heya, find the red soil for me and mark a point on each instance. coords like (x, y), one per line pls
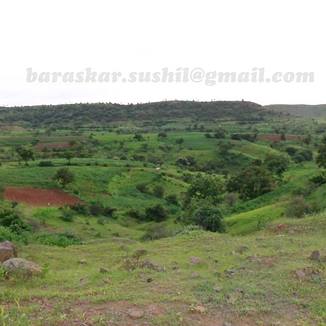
(40, 197)
(277, 137)
(41, 146)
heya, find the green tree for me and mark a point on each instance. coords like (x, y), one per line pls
(277, 164)
(209, 187)
(64, 176)
(251, 182)
(25, 154)
(68, 155)
(321, 157)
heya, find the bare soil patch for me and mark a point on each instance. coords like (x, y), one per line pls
(40, 197)
(62, 145)
(277, 137)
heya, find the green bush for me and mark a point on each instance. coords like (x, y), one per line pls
(156, 213)
(210, 218)
(58, 239)
(297, 207)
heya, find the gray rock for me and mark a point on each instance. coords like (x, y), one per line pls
(135, 313)
(20, 266)
(315, 255)
(195, 260)
(7, 251)
(104, 270)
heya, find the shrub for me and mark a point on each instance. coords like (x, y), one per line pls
(172, 199)
(158, 191)
(80, 209)
(155, 232)
(67, 215)
(142, 187)
(58, 239)
(210, 218)
(11, 219)
(156, 213)
(45, 163)
(297, 207)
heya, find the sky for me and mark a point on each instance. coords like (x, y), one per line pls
(128, 36)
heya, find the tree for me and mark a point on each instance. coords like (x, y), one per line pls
(210, 187)
(64, 176)
(156, 213)
(25, 154)
(277, 164)
(68, 155)
(321, 157)
(251, 182)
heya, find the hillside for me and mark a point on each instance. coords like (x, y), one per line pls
(172, 213)
(194, 278)
(105, 113)
(299, 110)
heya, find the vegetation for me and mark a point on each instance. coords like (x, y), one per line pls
(199, 211)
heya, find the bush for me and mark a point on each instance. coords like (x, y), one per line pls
(67, 215)
(155, 232)
(10, 219)
(45, 164)
(210, 218)
(80, 209)
(142, 187)
(58, 239)
(156, 213)
(172, 199)
(158, 191)
(297, 207)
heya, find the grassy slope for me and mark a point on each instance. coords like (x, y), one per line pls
(257, 287)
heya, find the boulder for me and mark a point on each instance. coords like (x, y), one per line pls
(315, 255)
(7, 251)
(22, 267)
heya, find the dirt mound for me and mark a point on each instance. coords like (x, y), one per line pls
(40, 197)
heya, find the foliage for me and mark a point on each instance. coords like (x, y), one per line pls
(208, 217)
(251, 182)
(64, 176)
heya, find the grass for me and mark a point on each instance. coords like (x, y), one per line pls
(260, 288)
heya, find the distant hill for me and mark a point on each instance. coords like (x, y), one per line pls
(104, 113)
(300, 110)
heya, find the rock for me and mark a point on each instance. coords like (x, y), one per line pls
(195, 260)
(20, 266)
(103, 270)
(217, 289)
(135, 313)
(82, 262)
(227, 324)
(300, 274)
(315, 255)
(195, 275)
(7, 251)
(241, 249)
(149, 280)
(198, 309)
(150, 265)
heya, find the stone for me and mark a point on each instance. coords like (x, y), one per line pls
(103, 270)
(315, 255)
(195, 260)
(195, 275)
(300, 274)
(82, 262)
(20, 266)
(198, 309)
(242, 249)
(135, 313)
(7, 251)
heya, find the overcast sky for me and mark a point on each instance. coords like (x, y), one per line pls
(149, 35)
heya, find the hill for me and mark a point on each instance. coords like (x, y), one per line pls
(299, 110)
(105, 113)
